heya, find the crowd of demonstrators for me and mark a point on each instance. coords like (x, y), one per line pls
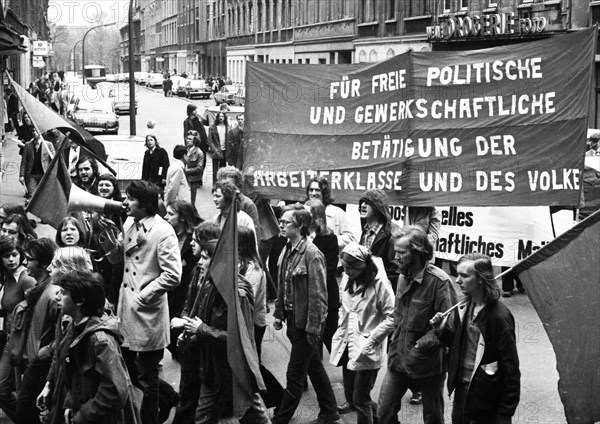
(353, 295)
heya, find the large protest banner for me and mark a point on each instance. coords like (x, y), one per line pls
(507, 235)
(504, 126)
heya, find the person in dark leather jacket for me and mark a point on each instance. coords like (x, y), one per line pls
(483, 363)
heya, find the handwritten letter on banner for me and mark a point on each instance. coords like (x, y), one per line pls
(504, 126)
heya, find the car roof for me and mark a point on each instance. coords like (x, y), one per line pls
(120, 137)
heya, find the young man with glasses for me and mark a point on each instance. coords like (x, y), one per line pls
(302, 303)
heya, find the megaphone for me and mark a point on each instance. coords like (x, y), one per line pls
(80, 200)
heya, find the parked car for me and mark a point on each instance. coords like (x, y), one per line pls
(197, 88)
(97, 116)
(125, 156)
(141, 77)
(179, 87)
(239, 98)
(111, 77)
(120, 97)
(155, 80)
(225, 95)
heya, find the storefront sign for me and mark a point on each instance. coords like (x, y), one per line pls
(40, 48)
(505, 126)
(485, 26)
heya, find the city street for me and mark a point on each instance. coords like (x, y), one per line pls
(539, 403)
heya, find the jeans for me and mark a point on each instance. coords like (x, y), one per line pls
(357, 389)
(213, 401)
(394, 386)
(304, 359)
(218, 164)
(143, 371)
(8, 400)
(32, 383)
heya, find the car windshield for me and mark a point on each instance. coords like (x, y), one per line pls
(93, 107)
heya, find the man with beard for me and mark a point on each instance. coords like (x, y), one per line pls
(415, 353)
(87, 174)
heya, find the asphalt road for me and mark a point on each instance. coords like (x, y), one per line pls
(540, 402)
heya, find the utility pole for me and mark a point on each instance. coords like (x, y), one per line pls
(132, 110)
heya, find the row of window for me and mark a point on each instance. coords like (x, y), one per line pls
(228, 18)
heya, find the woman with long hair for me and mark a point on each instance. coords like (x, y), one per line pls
(194, 168)
(318, 188)
(217, 142)
(18, 227)
(108, 259)
(323, 237)
(70, 232)
(483, 364)
(183, 218)
(204, 242)
(155, 163)
(15, 282)
(366, 318)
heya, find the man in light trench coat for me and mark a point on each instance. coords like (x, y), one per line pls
(152, 268)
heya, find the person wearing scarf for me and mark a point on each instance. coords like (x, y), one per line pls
(365, 320)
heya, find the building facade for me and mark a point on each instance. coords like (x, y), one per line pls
(219, 37)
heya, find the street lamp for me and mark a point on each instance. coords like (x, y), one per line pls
(83, 47)
(74, 53)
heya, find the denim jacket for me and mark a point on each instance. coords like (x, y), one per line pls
(308, 280)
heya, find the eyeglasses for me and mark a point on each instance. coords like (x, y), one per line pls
(284, 222)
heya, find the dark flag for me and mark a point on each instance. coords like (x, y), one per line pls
(269, 226)
(563, 283)
(241, 352)
(50, 201)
